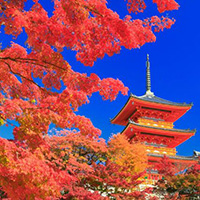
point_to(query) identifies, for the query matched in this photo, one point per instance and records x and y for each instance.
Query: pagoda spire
(148, 78)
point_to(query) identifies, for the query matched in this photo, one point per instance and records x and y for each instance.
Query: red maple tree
(71, 164)
(178, 181)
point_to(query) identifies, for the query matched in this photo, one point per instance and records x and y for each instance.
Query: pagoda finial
(148, 78)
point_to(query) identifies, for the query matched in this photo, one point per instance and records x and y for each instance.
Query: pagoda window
(152, 134)
(169, 111)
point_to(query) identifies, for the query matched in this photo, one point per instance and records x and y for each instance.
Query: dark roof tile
(153, 98)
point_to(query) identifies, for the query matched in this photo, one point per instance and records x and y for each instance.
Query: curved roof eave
(165, 129)
(155, 99)
(176, 157)
(121, 109)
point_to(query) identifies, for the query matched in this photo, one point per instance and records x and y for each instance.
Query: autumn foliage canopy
(179, 180)
(39, 88)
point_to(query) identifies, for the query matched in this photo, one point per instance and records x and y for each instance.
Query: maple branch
(8, 121)
(92, 10)
(25, 77)
(26, 60)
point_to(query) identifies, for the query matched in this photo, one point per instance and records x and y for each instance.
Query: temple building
(149, 119)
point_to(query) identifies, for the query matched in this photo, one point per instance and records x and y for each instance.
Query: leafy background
(175, 69)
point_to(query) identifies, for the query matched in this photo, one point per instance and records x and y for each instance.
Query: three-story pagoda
(149, 119)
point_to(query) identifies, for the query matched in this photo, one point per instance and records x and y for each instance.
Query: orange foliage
(130, 155)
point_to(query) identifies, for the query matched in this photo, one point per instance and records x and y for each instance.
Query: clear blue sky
(175, 70)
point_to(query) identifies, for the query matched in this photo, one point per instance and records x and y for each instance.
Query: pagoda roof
(150, 101)
(196, 153)
(176, 157)
(166, 129)
(144, 133)
(155, 99)
(185, 161)
(151, 105)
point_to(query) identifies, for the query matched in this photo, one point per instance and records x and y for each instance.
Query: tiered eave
(157, 135)
(150, 106)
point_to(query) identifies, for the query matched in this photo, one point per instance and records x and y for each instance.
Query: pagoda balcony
(160, 150)
(155, 122)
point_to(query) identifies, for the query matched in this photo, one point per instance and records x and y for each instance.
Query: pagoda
(149, 119)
